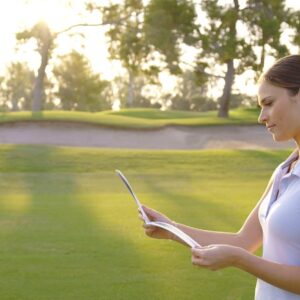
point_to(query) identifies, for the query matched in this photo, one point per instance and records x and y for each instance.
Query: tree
(44, 40)
(168, 25)
(17, 86)
(127, 43)
(78, 87)
(190, 95)
(294, 23)
(265, 21)
(168, 28)
(218, 40)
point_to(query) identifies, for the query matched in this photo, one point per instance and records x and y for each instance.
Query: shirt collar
(293, 156)
(296, 170)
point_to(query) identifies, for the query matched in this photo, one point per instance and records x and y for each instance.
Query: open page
(166, 226)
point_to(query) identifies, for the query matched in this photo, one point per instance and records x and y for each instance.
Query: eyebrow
(263, 100)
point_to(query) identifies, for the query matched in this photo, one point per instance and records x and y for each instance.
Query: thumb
(196, 250)
(147, 210)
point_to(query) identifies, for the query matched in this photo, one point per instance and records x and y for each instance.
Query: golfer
(274, 223)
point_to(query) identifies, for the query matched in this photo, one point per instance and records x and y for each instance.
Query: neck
(297, 141)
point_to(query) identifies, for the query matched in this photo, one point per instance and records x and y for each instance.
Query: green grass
(138, 118)
(69, 229)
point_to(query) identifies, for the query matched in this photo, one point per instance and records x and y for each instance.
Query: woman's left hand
(215, 257)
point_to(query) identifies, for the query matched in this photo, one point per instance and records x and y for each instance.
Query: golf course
(70, 229)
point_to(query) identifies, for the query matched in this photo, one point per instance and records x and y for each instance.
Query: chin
(280, 138)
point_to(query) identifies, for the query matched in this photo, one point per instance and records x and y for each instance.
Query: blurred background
(171, 54)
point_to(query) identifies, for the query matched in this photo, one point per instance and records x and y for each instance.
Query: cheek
(277, 114)
(284, 114)
(289, 123)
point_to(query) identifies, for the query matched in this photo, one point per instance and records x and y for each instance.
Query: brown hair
(284, 73)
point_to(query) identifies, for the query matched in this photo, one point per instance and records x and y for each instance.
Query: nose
(263, 116)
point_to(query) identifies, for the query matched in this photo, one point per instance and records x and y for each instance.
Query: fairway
(69, 228)
(137, 118)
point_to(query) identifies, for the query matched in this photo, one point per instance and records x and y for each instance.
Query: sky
(19, 14)
(15, 15)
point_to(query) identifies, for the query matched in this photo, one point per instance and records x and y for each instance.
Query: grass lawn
(69, 228)
(139, 118)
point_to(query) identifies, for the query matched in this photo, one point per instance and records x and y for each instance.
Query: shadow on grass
(197, 209)
(208, 211)
(75, 234)
(53, 247)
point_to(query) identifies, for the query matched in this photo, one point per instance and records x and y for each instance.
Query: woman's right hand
(153, 231)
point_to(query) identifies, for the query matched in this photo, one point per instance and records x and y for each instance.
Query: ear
(295, 98)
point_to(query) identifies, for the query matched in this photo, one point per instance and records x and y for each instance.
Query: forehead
(266, 89)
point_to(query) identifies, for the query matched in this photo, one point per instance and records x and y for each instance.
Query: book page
(138, 203)
(176, 231)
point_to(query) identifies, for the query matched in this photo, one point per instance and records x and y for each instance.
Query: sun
(58, 14)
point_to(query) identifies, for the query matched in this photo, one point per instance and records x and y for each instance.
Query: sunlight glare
(16, 203)
(56, 13)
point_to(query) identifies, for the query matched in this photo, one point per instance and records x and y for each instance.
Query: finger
(197, 261)
(151, 213)
(149, 231)
(144, 207)
(141, 218)
(202, 262)
(140, 212)
(149, 228)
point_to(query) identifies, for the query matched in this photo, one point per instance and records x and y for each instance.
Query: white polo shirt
(279, 216)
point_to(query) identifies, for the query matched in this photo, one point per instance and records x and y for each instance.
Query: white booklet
(166, 226)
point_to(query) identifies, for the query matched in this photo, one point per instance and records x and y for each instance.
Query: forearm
(249, 237)
(205, 237)
(282, 276)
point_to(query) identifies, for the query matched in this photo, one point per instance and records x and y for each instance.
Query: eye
(268, 103)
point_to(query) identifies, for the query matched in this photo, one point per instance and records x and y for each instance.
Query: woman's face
(280, 112)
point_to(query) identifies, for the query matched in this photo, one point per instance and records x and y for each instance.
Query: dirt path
(86, 135)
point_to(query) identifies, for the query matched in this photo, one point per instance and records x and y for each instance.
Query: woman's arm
(249, 237)
(283, 276)
(216, 257)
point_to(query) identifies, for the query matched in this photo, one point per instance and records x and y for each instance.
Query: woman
(275, 221)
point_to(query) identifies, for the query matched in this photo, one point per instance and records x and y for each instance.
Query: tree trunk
(229, 77)
(38, 91)
(225, 98)
(14, 103)
(262, 59)
(131, 94)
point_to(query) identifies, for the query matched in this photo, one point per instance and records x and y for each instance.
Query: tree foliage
(221, 41)
(79, 88)
(293, 19)
(168, 24)
(17, 86)
(126, 43)
(265, 22)
(190, 95)
(149, 36)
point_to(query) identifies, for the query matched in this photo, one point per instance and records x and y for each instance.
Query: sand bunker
(173, 137)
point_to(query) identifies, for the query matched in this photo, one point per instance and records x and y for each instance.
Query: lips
(269, 127)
